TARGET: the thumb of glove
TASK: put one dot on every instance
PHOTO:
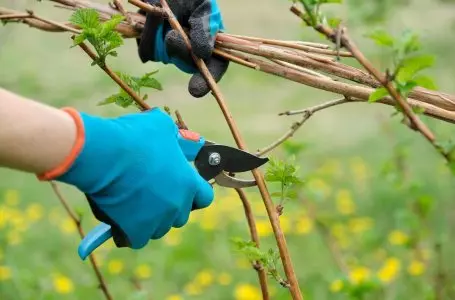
(204, 195)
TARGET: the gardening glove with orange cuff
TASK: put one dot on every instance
(134, 174)
(160, 43)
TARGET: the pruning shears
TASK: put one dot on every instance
(212, 161)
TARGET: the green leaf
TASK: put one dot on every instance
(108, 100)
(405, 89)
(411, 65)
(382, 38)
(85, 18)
(334, 22)
(79, 39)
(426, 82)
(293, 148)
(378, 94)
(151, 83)
(110, 25)
(410, 42)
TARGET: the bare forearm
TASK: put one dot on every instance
(34, 137)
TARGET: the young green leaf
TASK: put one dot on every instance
(382, 38)
(412, 65)
(426, 82)
(85, 18)
(378, 94)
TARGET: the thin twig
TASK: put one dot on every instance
(315, 108)
(180, 122)
(142, 105)
(255, 238)
(14, 16)
(307, 113)
(308, 47)
(118, 4)
(301, 69)
(77, 221)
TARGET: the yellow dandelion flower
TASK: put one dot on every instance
(319, 186)
(264, 228)
(34, 211)
(13, 238)
(173, 237)
(359, 275)
(247, 292)
(12, 197)
(174, 297)
(304, 226)
(389, 270)
(398, 237)
(224, 279)
(63, 284)
(193, 289)
(143, 271)
(5, 273)
(115, 266)
(204, 278)
(344, 202)
(359, 225)
(416, 268)
(336, 286)
(67, 226)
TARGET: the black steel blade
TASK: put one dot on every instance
(231, 160)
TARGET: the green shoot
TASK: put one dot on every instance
(268, 259)
(286, 174)
(313, 16)
(100, 35)
(407, 63)
(136, 84)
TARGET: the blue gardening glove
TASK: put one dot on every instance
(134, 174)
(159, 43)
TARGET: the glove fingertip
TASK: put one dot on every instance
(205, 194)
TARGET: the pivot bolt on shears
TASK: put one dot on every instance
(212, 161)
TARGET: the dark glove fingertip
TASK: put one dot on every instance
(198, 86)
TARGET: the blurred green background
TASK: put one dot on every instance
(364, 171)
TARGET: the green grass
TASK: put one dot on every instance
(341, 141)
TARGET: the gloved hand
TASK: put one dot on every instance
(134, 174)
(160, 43)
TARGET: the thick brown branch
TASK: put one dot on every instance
(77, 222)
(357, 93)
(434, 98)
